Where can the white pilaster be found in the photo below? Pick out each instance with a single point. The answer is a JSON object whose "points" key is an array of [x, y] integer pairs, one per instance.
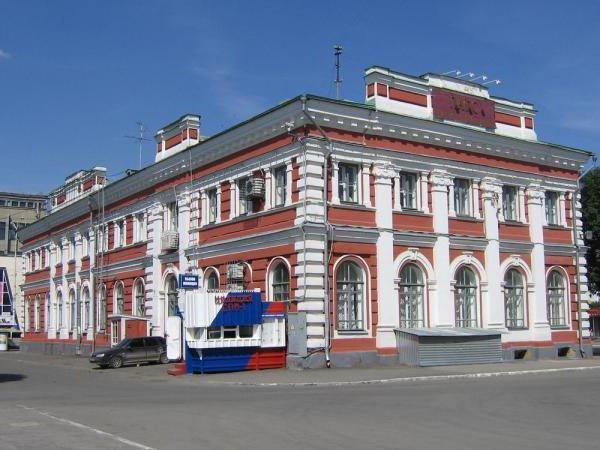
{"points": [[476, 212], [366, 185], [388, 310], [424, 192], [397, 206], [288, 182], [538, 309], [450, 199], [335, 199], [493, 303], [441, 300], [269, 191], [233, 199], [522, 201]]}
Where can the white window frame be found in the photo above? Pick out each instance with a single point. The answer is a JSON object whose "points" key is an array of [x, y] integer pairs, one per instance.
{"points": [[409, 305], [344, 183], [139, 299], [404, 193], [139, 229], [460, 318], [171, 219], [511, 295], [506, 202], [552, 217], [119, 309], [463, 206], [245, 204], [212, 205], [280, 186], [362, 285], [560, 322]]}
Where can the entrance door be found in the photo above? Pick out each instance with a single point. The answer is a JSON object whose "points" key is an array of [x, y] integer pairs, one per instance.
{"points": [[173, 337], [115, 333]]}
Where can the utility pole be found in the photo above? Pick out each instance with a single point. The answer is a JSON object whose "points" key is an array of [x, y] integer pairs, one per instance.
{"points": [[338, 81]]}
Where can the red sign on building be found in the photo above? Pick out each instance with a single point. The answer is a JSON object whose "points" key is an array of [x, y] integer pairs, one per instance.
{"points": [[463, 108]]}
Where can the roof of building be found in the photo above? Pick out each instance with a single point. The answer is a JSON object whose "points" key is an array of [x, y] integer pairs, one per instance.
{"points": [[24, 195]]}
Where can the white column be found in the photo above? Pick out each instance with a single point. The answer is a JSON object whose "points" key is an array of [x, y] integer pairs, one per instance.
{"points": [[268, 189], [441, 300], [492, 301], [203, 208], [450, 199], [538, 311], [335, 199], [476, 212], [522, 215], [562, 209], [388, 310], [92, 280], [397, 205], [64, 331], [52, 325], [233, 200], [154, 274], [288, 182], [183, 221], [219, 203], [366, 185], [424, 192]]}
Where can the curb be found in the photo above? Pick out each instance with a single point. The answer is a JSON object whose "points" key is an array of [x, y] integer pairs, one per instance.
{"points": [[405, 379]]}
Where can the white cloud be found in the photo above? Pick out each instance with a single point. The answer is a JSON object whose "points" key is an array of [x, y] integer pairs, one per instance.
{"points": [[4, 54]]}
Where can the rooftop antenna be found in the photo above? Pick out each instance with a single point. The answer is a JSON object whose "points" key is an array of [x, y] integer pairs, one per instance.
{"points": [[467, 74], [482, 77], [141, 138], [338, 81], [456, 71], [496, 82]]}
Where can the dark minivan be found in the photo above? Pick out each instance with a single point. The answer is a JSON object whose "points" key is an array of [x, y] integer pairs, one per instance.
{"points": [[151, 349]]}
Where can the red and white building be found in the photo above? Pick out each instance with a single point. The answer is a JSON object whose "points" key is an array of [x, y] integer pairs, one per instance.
{"points": [[432, 204]]}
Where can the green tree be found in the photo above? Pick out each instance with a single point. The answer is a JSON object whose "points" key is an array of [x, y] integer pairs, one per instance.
{"points": [[590, 203]]}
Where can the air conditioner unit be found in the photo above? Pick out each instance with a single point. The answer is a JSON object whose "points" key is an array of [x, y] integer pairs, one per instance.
{"points": [[169, 241], [235, 271], [255, 187]]}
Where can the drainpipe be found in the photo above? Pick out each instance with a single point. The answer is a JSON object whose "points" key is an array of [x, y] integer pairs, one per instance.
{"points": [[575, 240], [327, 242]]}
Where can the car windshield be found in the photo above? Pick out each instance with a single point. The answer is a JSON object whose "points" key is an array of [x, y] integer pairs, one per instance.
{"points": [[124, 343]]}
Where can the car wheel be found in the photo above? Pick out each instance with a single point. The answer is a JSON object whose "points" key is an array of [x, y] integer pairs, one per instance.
{"points": [[163, 359], [116, 362]]}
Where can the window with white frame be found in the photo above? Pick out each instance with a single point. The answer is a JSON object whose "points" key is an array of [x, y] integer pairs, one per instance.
{"points": [[280, 185], [71, 253], [72, 310], [212, 205], [140, 227], [348, 183], [102, 308], [139, 298], [510, 203], [514, 299], [552, 208], [465, 298], [171, 212], [85, 244], [408, 190], [48, 312], [245, 203], [556, 297], [462, 197], [230, 332], [85, 309], [411, 290], [36, 319], [121, 230], [61, 311], [172, 296], [212, 280], [350, 297], [280, 283], [119, 298]]}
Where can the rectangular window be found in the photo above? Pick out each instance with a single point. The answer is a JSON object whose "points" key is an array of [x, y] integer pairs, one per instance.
{"points": [[214, 332], [212, 206], [280, 176], [246, 331], [229, 332], [140, 227], [71, 249], [408, 190], [510, 203], [2, 202], [348, 183], [30, 204], [245, 202], [2, 231], [552, 208], [120, 233], [462, 197]]}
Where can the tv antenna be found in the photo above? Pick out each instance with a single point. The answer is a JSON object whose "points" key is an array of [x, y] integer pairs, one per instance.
{"points": [[338, 81], [141, 138]]}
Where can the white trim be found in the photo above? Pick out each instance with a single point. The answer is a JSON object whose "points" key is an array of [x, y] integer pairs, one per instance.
{"points": [[366, 299], [269, 278]]}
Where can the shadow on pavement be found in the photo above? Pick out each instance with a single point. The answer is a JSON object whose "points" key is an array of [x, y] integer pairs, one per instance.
{"points": [[5, 377]]}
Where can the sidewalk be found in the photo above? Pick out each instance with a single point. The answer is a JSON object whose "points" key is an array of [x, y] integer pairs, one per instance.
{"points": [[314, 377]]}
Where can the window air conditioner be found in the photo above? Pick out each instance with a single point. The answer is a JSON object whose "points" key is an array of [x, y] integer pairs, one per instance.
{"points": [[235, 271], [255, 187]]}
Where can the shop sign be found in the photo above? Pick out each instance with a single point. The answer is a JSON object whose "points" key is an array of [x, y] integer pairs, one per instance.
{"points": [[187, 281], [238, 308], [463, 108]]}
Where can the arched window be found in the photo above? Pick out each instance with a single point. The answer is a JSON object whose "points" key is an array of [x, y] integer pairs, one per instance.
{"points": [[350, 297], [212, 280], [465, 298], [119, 305], [411, 289], [172, 296], [556, 299], [514, 299], [102, 308], [139, 293], [60, 307], [85, 309], [280, 283], [36, 318], [72, 310]]}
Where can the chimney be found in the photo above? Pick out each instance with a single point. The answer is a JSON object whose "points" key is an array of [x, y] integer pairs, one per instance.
{"points": [[177, 136]]}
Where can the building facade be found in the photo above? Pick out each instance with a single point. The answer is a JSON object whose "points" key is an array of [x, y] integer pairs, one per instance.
{"points": [[18, 209], [430, 205]]}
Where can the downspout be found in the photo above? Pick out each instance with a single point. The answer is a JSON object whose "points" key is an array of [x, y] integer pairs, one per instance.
{"points": [[577, 265], [326, 253]]}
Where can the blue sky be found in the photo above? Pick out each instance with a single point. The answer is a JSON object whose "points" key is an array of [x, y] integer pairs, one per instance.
{"points": [[76, 76]]}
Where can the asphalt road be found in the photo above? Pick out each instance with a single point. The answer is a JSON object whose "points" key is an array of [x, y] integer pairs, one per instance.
{"points": [[48, 406]]}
